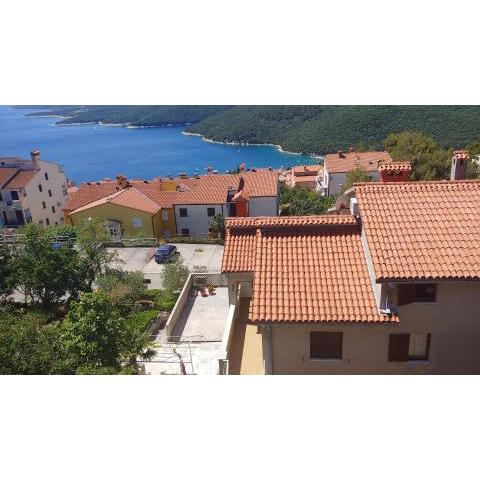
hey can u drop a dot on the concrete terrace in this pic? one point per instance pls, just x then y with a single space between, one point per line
195 341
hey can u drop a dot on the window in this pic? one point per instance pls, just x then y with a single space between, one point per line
53 209
14 195
417 292
408 346
1 198
165 215
326 345
211 211
40 189
44 205
49 193
47 221
185 231
46 176
137 222
147 281
183 212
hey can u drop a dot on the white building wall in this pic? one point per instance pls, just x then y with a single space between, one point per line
337 180
263 206
198 221
56 183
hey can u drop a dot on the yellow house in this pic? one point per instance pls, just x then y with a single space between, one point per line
130 209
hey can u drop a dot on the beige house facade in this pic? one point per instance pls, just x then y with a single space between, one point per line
391 288
31 191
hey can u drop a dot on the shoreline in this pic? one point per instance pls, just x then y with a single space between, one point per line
203 137
246 144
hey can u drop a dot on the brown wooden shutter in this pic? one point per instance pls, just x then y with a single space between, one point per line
327 345
398 347
406 294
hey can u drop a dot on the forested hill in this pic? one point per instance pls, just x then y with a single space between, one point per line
136 115
322 129
305 129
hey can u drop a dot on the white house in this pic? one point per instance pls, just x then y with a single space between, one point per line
337 165
248 194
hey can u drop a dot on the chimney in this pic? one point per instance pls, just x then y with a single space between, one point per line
459 165
340 154
35 154
122 181
395 171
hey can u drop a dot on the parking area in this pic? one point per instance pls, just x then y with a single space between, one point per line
208 257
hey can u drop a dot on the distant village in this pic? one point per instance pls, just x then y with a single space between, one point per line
385 281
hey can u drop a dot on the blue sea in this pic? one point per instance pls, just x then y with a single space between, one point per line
93 152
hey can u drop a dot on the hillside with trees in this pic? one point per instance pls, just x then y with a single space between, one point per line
135 115
323 129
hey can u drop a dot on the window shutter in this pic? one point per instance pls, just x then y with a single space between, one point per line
398 347
406 294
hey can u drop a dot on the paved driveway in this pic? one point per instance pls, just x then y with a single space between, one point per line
141 259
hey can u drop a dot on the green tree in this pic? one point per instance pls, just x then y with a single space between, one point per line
175 275
44 274
93 331
357 175
122 288
217 224
6 271
302 201
29 347
429 161
92 240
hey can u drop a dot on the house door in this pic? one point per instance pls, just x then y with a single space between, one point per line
114 229
20 219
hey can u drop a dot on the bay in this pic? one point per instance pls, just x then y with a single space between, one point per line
93 152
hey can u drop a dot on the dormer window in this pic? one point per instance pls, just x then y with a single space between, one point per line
417 293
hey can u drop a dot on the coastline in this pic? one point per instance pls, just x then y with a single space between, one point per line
246 144
203 137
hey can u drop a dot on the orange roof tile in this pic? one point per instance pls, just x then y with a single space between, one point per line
239 252
310 270
213 189
6 174
128 197
21 179
293 221
90 192
306 170
350 160
395 167
422 230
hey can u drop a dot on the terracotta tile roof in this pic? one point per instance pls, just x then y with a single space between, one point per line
239 252
310 270
128 197
6 174
213 189
21 179
422 230
306 170
152 190
367 160
90 192
395 167
205 190
294 221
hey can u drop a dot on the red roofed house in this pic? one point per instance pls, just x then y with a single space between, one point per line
337 165
251 193
393 287
31 191
162 208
